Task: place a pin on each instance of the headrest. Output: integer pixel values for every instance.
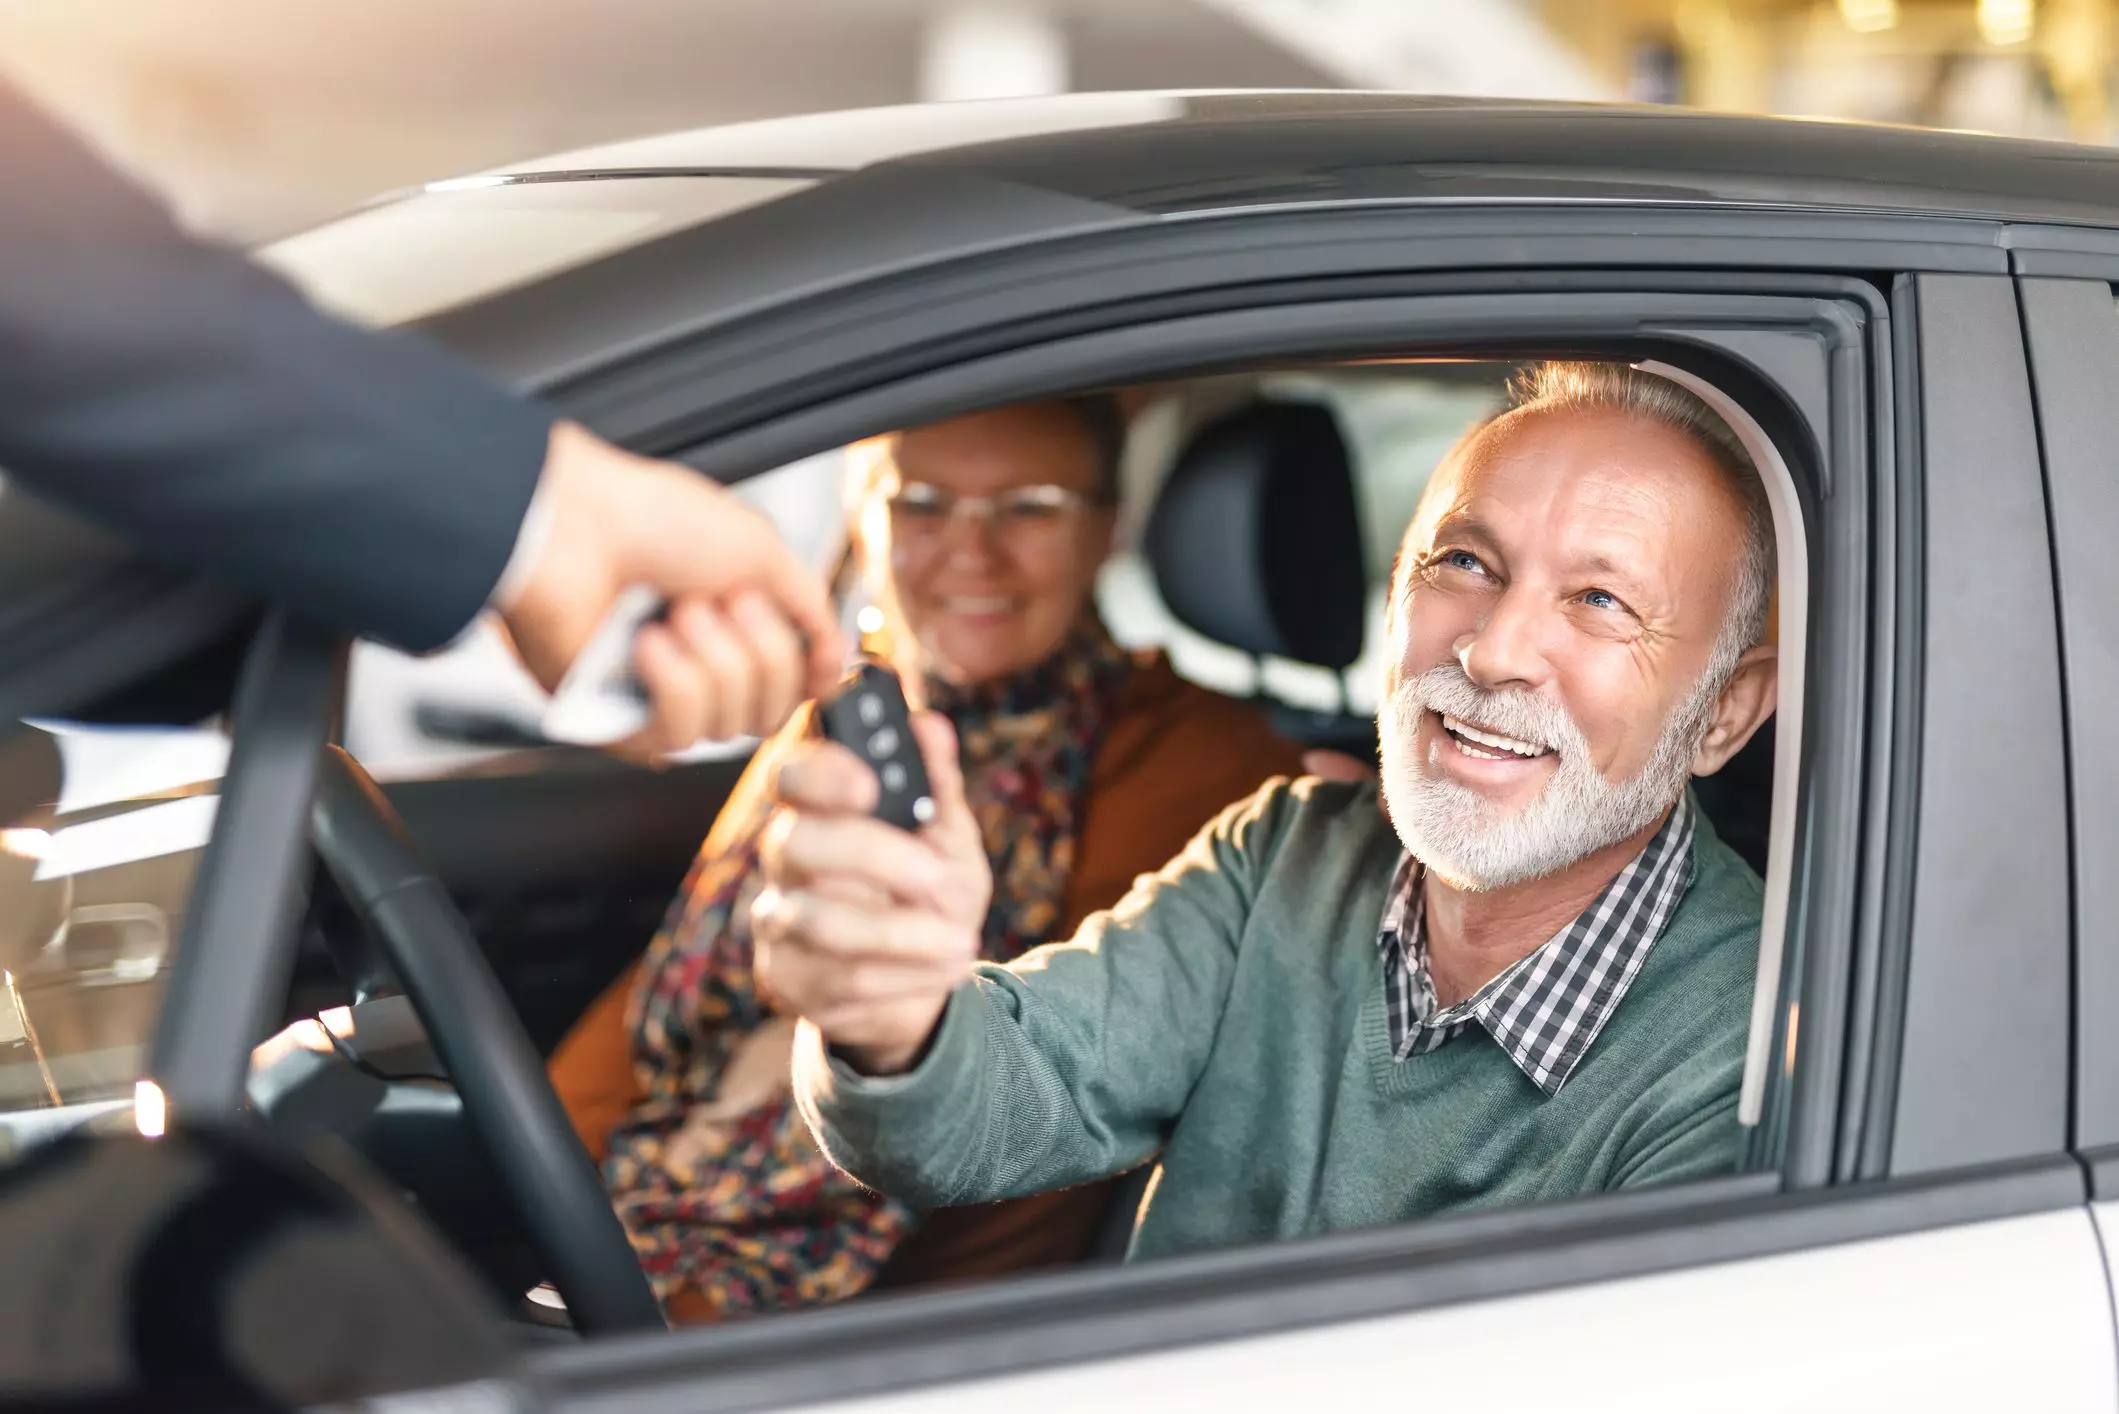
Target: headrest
(1255, 541)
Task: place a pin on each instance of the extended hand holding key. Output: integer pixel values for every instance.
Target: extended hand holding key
(748, 632)
(864, 929)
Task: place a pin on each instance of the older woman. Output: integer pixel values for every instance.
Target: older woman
(1087, 765)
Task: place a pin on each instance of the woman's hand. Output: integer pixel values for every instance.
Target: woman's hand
(864, 929)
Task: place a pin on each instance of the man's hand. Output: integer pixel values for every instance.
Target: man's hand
(729, 661)
(864, 929)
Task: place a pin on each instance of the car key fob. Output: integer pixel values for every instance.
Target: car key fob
(601, 701)
(867, 715)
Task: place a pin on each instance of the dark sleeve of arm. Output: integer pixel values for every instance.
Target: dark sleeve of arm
(1070, 1063)
(177, 394)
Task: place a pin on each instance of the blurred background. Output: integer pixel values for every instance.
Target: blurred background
(259, 116)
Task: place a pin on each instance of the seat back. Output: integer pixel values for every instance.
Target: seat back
(1255, 540)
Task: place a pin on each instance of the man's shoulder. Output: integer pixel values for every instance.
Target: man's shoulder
(1709, 948)
(1683, 1028)
(1310, 838)
(1726, 896)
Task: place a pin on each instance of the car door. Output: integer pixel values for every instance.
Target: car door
(1925, 1187)
(1912, 1172)
(1914, 1228)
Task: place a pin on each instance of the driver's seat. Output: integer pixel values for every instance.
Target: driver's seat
(1255, 542)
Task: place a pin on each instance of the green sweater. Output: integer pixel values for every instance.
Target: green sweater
(1228, 1013)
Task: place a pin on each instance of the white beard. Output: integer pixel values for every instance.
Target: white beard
(1475, 845)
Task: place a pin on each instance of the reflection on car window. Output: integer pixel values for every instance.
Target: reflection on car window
(100, 835)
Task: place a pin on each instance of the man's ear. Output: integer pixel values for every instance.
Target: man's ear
(1747, 700)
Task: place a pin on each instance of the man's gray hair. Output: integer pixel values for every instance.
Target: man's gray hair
(1615, 387)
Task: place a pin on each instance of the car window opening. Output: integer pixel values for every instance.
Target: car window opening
(1252, 544)
(1134, 631)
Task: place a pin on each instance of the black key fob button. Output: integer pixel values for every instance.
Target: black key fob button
(868, 715)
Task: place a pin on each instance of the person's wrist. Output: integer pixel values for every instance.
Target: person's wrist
(879, 1063)
(595, 504)
(575, 573)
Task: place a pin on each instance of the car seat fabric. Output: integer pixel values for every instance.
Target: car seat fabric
(1255, 540)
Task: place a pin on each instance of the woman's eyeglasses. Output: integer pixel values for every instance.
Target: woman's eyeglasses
(919, 510)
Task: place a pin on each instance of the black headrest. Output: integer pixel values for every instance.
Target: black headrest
(1255, 540)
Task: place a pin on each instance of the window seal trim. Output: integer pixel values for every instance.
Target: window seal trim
(1898, 680)
(1784, 493)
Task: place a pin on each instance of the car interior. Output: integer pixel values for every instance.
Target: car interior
(1260, 512)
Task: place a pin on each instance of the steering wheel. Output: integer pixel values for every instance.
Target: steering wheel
(507, 1099)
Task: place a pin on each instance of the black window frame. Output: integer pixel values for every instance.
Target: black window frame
(2068, 287)
(1093, 1314)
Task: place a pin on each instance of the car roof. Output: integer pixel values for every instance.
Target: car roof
(1170, 152)
(626, 245)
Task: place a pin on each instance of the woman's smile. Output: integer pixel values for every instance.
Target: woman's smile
(981, 608)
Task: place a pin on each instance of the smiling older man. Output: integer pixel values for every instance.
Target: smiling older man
(1532, 983)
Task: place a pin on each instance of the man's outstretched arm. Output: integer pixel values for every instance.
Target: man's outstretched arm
(939, 1083)
(172, 391)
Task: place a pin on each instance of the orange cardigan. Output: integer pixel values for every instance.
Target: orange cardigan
(1172, 756)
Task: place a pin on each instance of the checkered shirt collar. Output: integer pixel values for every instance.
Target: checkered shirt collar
(1545, 1009)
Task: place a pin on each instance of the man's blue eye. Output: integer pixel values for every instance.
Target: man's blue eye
(1598, 599)
(1462, 559)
